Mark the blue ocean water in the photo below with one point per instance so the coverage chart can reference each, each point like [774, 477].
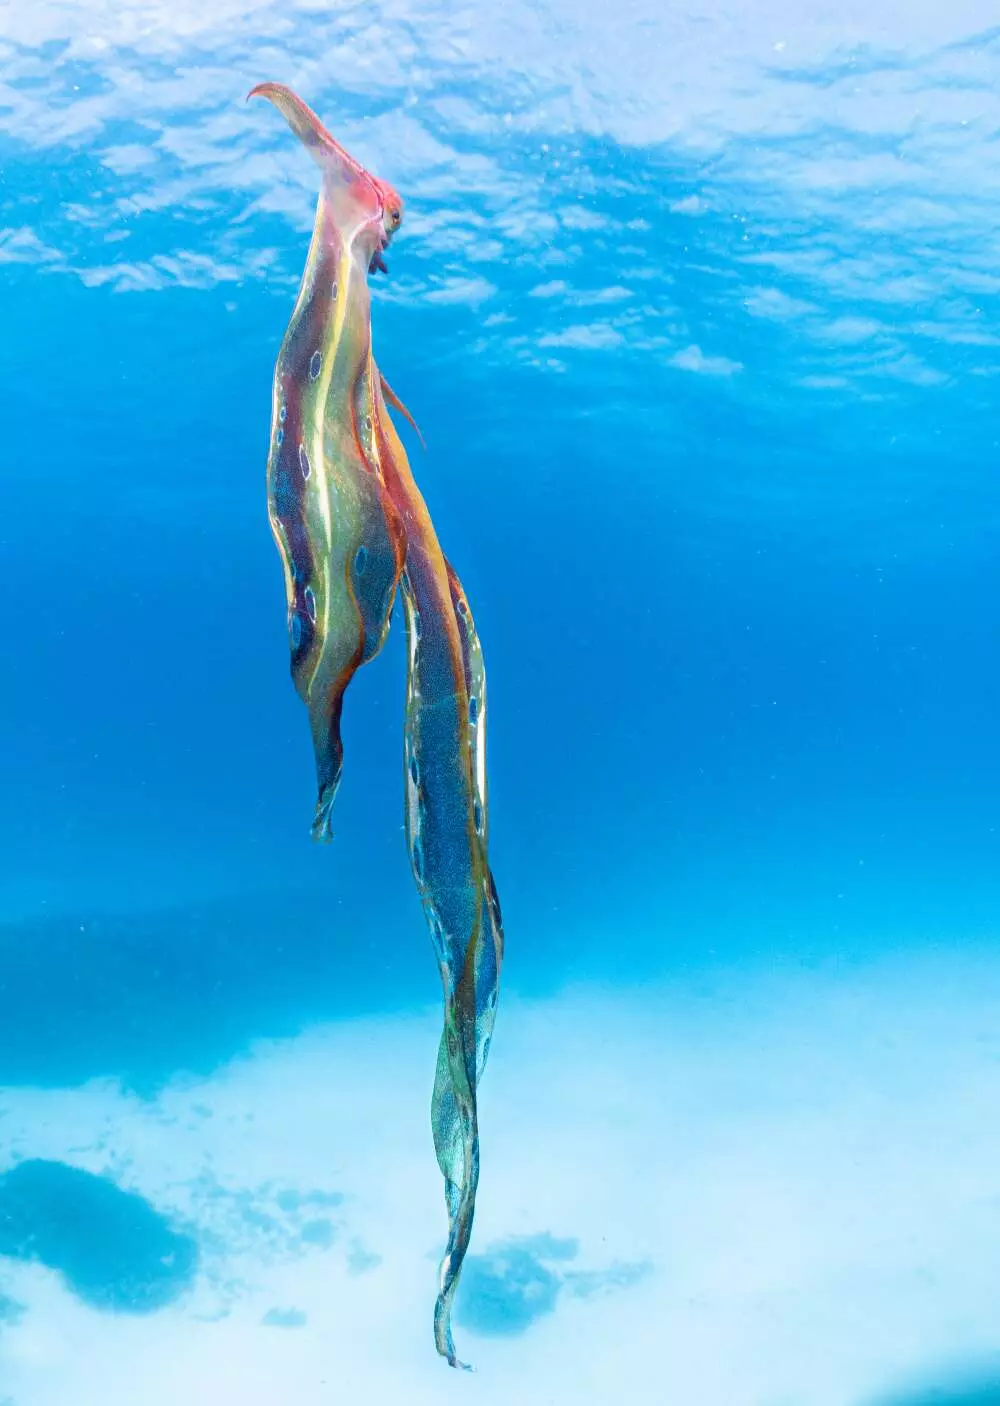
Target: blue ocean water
[697, 310]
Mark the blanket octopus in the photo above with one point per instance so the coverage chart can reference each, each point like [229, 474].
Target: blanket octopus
[354, 532]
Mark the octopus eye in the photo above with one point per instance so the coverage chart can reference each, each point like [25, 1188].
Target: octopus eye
[394, 217]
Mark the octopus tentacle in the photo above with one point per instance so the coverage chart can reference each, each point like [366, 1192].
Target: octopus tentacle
[446, 826]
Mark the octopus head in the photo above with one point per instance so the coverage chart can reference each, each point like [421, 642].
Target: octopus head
[370, 207]
[391, 217]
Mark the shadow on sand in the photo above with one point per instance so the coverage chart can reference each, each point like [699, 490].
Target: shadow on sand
[114, 1250]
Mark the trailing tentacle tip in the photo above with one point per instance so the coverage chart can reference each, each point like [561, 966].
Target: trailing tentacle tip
[322, 823]
[443, 1340]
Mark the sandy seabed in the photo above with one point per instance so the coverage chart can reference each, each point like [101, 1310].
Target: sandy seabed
[778, 1190]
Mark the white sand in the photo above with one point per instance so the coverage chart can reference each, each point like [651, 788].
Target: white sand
[810, 1163]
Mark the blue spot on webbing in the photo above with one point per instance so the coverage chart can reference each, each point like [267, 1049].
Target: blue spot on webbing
[477, 815]
[310, 600]
[304, 464]
[361, 560]
[295, 630]
[315, 362]
[473, 708]
[283, 413]
[280, 438]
